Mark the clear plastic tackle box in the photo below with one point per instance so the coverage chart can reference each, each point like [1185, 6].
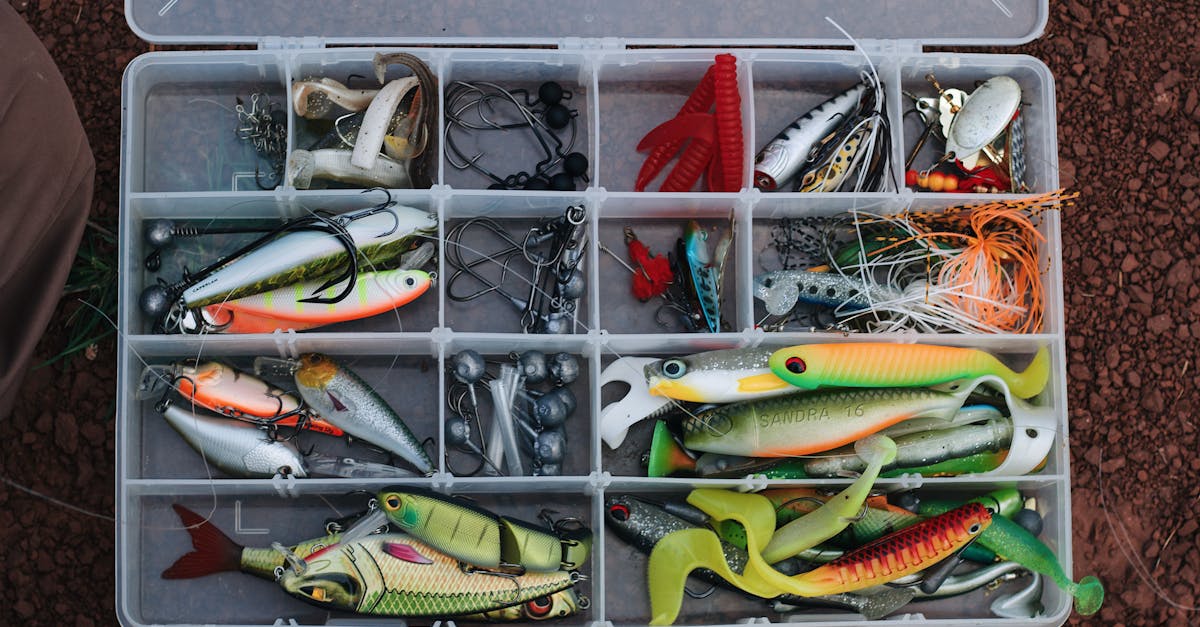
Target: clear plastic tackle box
[630, 64]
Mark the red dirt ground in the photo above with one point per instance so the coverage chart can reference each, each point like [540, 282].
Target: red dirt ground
[1128, 107]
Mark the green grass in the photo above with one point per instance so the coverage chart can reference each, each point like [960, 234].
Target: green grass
[93, 280]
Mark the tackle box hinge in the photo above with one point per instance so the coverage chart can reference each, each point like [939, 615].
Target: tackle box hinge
[890, 47]
[592, 43]
[274, 42]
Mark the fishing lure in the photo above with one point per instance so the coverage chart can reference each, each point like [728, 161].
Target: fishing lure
[782, 289]
[721, 376]
[333, 164]
[643, 524]
[704, 277]
[481, 538]
[885, 365]
[1012, 542]
[561, 604]
[234, 394]
[924, 449]
[342, 398]
[236, 448]
[314, 98]
[396, 575]
[887, 559]
[806, 423]
[289, 308]
[785, 155]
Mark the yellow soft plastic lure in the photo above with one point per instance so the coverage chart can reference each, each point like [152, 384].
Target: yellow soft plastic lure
[901, 365]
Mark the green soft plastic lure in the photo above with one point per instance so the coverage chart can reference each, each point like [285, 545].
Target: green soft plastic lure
[1012, 542]
[874, 365]
[479, 537]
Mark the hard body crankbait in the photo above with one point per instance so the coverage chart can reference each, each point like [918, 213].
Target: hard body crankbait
[307, 255]
[235, 394]
[343, 399]
[888, 365]
[288, 307]
[481, 538]
[237, 448]
[787, 154]
[720, 376]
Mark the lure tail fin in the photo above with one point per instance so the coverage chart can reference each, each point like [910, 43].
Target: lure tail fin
[667, 457]
[1032, 381]
[214, 551]
[1089, 595]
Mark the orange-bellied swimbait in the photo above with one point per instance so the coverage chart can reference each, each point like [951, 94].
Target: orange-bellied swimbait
[291, 308]
[899, 365]
[230, 392]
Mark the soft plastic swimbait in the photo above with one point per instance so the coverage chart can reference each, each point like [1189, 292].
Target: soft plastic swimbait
[806, 423]
[479, 537]
[285, 308]
[876, 364]
[346, 401]
[1012, 542]
[721, 376]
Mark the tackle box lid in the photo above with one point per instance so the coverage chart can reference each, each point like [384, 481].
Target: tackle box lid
[587, 23]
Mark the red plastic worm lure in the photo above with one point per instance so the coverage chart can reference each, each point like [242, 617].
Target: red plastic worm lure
[699, 101]
[901, 553]
[729, 124]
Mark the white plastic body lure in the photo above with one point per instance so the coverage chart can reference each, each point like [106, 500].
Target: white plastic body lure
[315, 98]
[237, 448]
[379, 116]
[332, 164]
[784, 156]
[721, 376]
[282, 260]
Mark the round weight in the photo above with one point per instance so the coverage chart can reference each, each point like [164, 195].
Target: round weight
[458, 431]
[467, 366]
[155, 302]
[532, 365]
[551, 447]
[159, 233]
[566, 396]
[575, 164]
[550, 93]
[573, 287]
[1029, 520]
[557, 117]
[564, 368]
[562, 182]
[550, 411]
[535, 184]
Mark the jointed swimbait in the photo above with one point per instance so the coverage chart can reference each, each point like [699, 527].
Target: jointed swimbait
[343, 399]
[558, 605]
[886, 365]
[481, 538]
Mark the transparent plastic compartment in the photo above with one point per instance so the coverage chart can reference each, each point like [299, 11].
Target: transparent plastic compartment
[624, 94]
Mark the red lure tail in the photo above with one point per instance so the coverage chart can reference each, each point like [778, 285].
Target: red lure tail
[214, 551]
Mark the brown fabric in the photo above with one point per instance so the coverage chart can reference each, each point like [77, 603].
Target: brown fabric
[46, 178]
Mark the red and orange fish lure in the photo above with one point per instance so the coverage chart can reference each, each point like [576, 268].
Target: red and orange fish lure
[236, 394]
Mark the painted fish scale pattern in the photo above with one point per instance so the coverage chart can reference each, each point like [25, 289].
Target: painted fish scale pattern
[442, 588]
[912, 549]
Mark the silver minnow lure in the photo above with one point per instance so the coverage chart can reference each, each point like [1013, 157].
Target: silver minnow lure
[785, 156]
[237, 448]
[923, 449]
[780, 290]
[289, 253]
[720, 376]
[348, 403]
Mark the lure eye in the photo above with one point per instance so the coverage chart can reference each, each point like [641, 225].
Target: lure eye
[409, 281]
[795, 365]
[674, 368]
[539, 607]
[391, 503]
[619, 512]
[973, 529]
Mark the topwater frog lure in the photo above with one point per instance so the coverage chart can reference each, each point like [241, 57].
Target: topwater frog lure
[313, 248]
[891, 365]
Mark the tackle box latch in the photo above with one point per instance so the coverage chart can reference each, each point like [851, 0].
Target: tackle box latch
[274, 42]
[592, 43]
[889, 47]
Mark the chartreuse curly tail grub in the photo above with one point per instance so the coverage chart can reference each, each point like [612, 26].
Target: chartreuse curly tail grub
[831, 518]
[1012, 542]
[901, 365]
